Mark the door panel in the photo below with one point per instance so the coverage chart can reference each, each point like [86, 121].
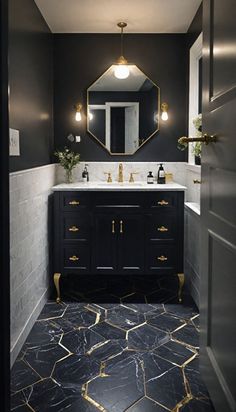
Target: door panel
[131, 243]
[218, 205]
[104, 244]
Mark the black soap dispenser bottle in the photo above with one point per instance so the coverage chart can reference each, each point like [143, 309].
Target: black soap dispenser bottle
[161, 179]
[85, 174]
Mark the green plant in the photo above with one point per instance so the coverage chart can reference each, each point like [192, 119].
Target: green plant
[68, 160]
[197, 149]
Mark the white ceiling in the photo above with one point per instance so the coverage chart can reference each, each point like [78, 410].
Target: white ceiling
[101, 16]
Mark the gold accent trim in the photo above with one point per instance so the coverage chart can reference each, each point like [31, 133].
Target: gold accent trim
[163, 202]
[162, 258]
[158, 114]
[113, 226]
[74, 258]
[73, 229]
[181, 285]
[162, 229]
[121, 226]
[206, 139]
[56, 279]
[74, 202]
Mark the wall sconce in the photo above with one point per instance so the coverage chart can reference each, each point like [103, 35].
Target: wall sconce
[78, 108]
[121, 67]
[164, 109]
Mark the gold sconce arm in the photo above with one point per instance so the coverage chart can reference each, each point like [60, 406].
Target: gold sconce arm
[206, 138]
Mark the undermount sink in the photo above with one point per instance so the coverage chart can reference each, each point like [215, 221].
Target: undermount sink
[118, 184]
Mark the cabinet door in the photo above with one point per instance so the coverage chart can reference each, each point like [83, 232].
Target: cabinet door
[104, 243]
[130, 243]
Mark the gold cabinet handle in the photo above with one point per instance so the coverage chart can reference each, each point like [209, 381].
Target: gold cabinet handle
[73, 229]
[113, 226]
[162, 258]
[74, 202]
[73, 258]
[163, 203]
[162, 229]
[121, 226]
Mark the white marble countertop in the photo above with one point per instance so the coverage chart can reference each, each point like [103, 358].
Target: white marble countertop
[115, 186]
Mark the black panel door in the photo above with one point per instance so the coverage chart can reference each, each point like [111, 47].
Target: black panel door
[131, 243]
[218, 205]
[105, 243]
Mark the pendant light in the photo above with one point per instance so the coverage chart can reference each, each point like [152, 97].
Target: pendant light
[121, 67]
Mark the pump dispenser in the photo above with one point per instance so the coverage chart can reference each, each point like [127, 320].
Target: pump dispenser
[161, 179]
[85, 174]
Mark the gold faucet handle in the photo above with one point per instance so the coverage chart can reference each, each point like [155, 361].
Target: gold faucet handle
[131, 177]
[109, 178]
[197, 181]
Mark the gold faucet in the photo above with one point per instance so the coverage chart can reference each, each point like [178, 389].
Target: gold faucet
[120, 175]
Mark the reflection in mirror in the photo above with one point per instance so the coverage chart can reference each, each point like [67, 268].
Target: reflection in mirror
[123, 114]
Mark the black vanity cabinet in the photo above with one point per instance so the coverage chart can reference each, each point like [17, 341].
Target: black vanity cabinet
[120, 232]
[118, 242]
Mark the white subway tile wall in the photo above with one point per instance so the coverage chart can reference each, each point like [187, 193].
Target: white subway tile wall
[29, 251]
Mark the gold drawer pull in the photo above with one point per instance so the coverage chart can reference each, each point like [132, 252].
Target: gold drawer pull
[162, 258]
[163, 203]
[162, 229]
[73, 229]
[73, 258]
[121, 226]
[113, 226]
[74, 202]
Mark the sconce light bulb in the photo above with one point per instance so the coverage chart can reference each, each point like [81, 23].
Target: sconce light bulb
[78, 116]
[164, 116]
[121, 71]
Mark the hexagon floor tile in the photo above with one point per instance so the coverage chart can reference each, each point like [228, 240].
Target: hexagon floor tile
[123, 348]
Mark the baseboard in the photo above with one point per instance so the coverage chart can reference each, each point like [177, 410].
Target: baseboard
[16, 348]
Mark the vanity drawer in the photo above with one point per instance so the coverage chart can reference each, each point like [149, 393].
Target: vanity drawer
[161, 226]
[118, 199]
[76, 227]
[74, 201]
[77, 256]
[162, 200]
[161, 257]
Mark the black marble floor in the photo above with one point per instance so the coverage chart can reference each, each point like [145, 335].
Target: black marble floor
[113, 346]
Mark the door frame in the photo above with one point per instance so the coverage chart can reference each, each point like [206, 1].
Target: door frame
[4, 213]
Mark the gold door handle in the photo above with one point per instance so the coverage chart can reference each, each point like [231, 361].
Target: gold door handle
[73, 229]
[73, 258]
[121, 226]
[163, 203]
[206, 138]
[162, 229]
[162, 258]
[113, 226]
[74, 202]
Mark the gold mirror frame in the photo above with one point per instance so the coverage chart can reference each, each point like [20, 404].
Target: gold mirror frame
[148, 138]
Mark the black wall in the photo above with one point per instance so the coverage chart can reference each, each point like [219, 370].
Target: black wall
[79, 59]
[31, 84]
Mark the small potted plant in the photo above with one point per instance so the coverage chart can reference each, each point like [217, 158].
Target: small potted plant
[68, 160]
[197, 147]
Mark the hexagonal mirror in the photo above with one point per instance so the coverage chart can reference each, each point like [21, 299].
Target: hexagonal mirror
[123, 114]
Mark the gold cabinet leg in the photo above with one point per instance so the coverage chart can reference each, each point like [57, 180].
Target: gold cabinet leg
[181, 284]
[56, 278]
